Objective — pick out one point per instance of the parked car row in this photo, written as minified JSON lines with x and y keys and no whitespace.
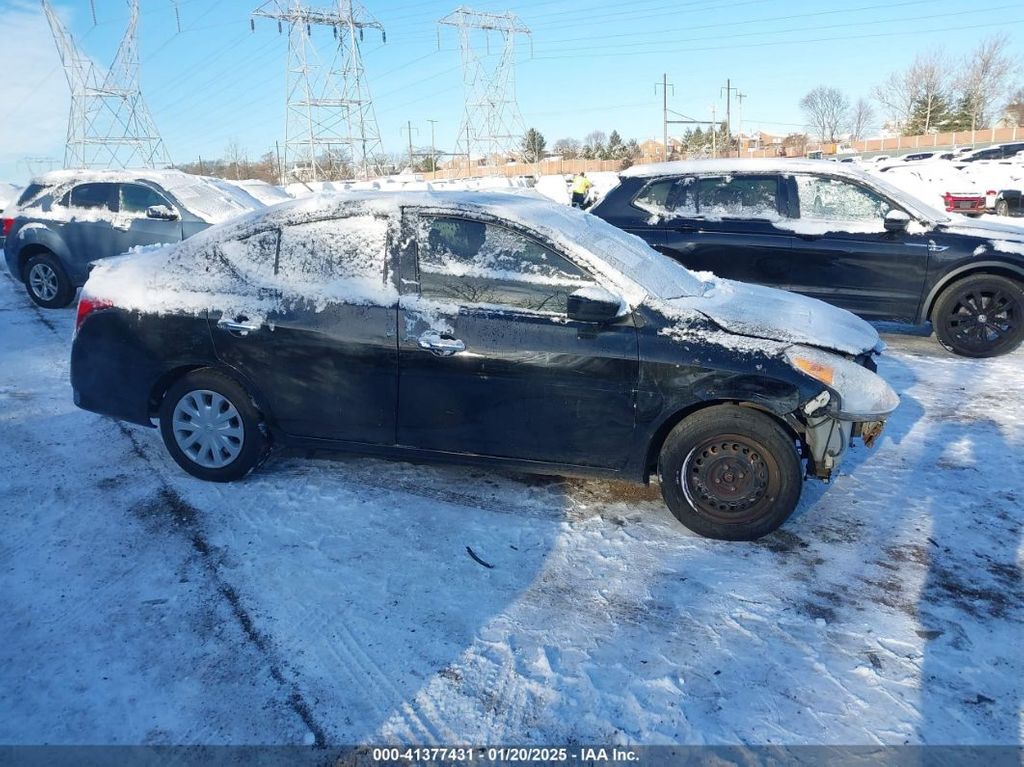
{"x":503,"y":329}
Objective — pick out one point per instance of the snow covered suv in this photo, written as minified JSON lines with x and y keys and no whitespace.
{"x":833,"y":232}
{"x":495,"y":329}
{"x":64,"y":220}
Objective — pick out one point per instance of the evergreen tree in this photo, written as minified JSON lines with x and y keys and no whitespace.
{"x":533,"y":146}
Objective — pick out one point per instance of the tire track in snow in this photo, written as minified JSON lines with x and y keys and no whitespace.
{"x":187,"y":518}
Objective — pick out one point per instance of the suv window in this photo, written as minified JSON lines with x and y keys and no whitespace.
{"x":835,"y":199}
{"x":31,"y":193}
{"x":738,"y":197}
{"x":476,"y":263}
{"x":255,"y":256}
{"x":98,"y":196}
{"x":135,"y":198}
{"x":745,"y":197}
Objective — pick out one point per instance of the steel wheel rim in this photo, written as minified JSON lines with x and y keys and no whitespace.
{"x":43,"y":281}
{"x":730,"y":479}
{"x":981,"y":318}
{"x":207,"y":428}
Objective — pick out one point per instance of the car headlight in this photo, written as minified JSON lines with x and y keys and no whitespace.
{"x":863,"y":395}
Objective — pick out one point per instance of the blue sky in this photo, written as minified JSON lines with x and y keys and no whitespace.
{"x":592,"y":66}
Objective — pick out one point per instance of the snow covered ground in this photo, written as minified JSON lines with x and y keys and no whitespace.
{"x":335,"y":601}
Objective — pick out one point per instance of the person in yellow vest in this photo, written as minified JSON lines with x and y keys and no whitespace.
{"x":580,"y":186}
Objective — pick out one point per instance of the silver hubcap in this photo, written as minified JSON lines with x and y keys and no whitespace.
{"x":208,"y":428}
{"x":43,"y":281}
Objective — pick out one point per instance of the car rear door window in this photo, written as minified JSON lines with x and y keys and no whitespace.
{"x":833,"y":199}
{"x":742,"y":197}
{"x":672,"y":196}
{"x":254,"y":257}
{"x":95,"y":196}
{"x":473,"y":263}
{"x":135,"y":198}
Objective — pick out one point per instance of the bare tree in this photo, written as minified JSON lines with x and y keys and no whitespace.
{"x":984,"y":78}
{"x":827,"y":111}
{"x":862,"y":117}
{"x":917,"y":94}
{"x":569,"y":148}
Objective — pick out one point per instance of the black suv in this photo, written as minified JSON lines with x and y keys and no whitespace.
{"x":836,"y":233}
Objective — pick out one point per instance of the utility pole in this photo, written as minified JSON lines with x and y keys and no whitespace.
{"x":409,"y":129}
{"x":739,"y":130}
{"x":728,"y":110}
{"x":433,"y":147}
{"x":714,"y":134}
{"x":665,"y":85}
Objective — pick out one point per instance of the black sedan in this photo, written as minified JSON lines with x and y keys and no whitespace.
{"x":493,"y":329}
{"x":836,"y":233}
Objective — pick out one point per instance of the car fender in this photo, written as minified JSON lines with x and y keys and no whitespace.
{"x":29,"y":238}
{"x":961,"y":271}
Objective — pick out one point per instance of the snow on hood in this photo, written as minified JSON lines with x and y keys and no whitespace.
{"x":776,"y":315}
{"x":992,"y":230}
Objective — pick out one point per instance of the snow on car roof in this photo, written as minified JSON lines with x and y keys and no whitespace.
{"x":198,"y":194}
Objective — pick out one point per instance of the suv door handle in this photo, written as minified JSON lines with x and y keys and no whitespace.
{"x":242,"y":326}
{"x":433,"y":342}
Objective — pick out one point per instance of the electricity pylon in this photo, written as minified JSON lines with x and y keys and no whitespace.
{"x":492,"y":124}
{"x":329,"y":117}
{"x":109,"y":125}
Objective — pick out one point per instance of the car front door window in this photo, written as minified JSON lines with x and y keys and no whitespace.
{"x":472,"y":263}
{"x":832,"y":199}
{"x":136,"y":199}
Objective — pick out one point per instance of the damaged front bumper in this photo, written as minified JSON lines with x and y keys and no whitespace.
{"x":829,"y":431}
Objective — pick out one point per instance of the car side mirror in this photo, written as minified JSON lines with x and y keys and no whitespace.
{"x":594,"y":304}
{"x":896,"y":221}
{"x":161,"y":212}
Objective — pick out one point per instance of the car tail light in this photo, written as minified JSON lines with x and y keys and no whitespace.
{"x":86,"y":306}
{"x":8,"y":224}
{"x":948,"y":198}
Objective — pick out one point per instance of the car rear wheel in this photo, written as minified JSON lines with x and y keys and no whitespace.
{"x":1002,"y":208}
{"x":211,"y":427}
{"x":730,"y":473}
{"x":47,"y":283}
{"x":980,"y":316}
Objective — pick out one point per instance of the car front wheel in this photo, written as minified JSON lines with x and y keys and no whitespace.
{"x":980,"y":316}
{"x":47,"y":283}
{"x":1002,"y":208}
{"x":730,"y":472}
{"x":211,"y":427}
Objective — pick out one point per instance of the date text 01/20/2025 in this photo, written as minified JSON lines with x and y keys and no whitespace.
{"x":503,"y":754}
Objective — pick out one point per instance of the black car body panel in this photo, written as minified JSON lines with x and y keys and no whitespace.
{"x":878,"y":275}
{"x":528,"y":390}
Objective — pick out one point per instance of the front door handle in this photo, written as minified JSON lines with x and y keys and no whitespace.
{"x":242,"y":326}
{"x":433,"y":342}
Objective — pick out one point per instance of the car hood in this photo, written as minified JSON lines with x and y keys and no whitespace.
{"x":989,"y":230}
{"x":777,"y":315}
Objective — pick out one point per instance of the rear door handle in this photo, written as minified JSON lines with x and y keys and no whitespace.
{"x":241,"y":326}
{"x":442,"y":347}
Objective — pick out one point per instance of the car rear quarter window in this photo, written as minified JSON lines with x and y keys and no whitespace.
{"x":833,"y":199}
{"x":473,"y":263}
{"x":94,"y":196}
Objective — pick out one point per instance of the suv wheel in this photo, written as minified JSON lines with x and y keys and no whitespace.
{"x":1002,"y":208}
{"x":47,"y":283}
{"x":730,"y":472}
{"x":980,"y":316}
{"x":211,"y":427}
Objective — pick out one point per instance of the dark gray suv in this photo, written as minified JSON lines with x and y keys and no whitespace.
{"x":66,"y":219}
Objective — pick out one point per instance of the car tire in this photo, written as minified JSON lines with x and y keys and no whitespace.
{"x":1002,"y":208}
{"x":980,"y":316}
{"x":730,"y":473}
{"x":229,"y":437}
{"x":47,"y":283}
